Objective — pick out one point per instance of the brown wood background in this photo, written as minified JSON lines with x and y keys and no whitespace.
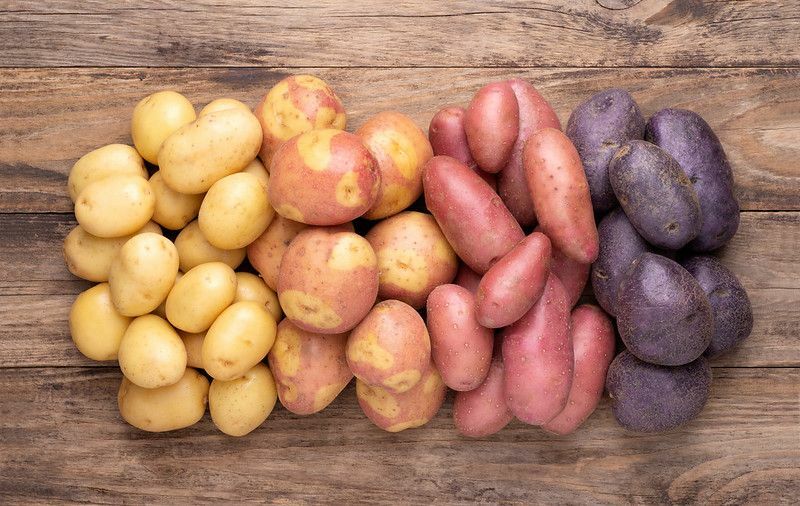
{"x":70,"y":74}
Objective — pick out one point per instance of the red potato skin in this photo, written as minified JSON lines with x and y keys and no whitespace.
{"x":593,"y":344}
{"x":491,"y":123}
{"x":483,"y":411}
{"x":538,"y":358}
{"x":512,"y":285}
{"x":472,"y":217}
{"x":573,"y":275}
{"x":461,"y":348}
{"x":560,"y":193}
{"x":447,"y":137}
{"x":266,"y":251}
{"x":467,"y":278}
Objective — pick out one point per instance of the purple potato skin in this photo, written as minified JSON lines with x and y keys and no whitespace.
{"x":598,"y":127}
{"x":620,"y":245}
{"x":689,"y":139}
{"x":655,"y":398}
{"x":733,"y":314}
{"x":663,"y":314}
{"x":656,"y":194}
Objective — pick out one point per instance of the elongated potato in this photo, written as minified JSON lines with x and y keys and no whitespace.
{"x":482,"y":412}
{"x":194,"y":249}
{"x":447,"y":137}
{"x":199,"y":297}
{"x":221,"y":104}
{"x":240,"y":405}
{"x":155,"y":118}
{"x":151,"y":354}
{"x":573,"y":275}
{"x":115,"y":205}
{"x":110,"y":160}
{"x":251,"y":287}
{"x":467,"y":278}
{"x":235,"y":211}
{"x":173,"y":210}
{"x":266,"y":252}
{"x":194,"y":348}
{"x":95,"y":325}
{"x":491,"y":123}
{"x":142,"y":274}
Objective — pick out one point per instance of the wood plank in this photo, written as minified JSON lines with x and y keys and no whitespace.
{"x":387,"y":33}
{"x":50,"y":117}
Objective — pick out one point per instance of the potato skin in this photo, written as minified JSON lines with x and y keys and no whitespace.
{"x":512,"y":285}
{"x":654,"y":398}
{"x":310,"y":369}
{"x":194,"y":249}
{"x":115,"y":205}
{"x":482,"y":412}
{"x":221,"y":104}
{"x":198,"y":298}
{"x":235,"y":211}
{"x":461,"y":348}
{"x":173,"y":210}
{"x":151,"y":354}
{"x":252,"y":287}
{"x":95,"y":325}
{"x":414,"y":257}
{"x":194,"y":348}
{"x":467,"y":278}
{"x":472,"y":217}
{"x":155,"y":118}
{"x":593,"y":342}
{"x":266,"y":252}
{"x":573,"y":275}
{"x":110,"y":160}
{"x":491,"y":123}
{"x":447,"y":137}
{"x":240,"y":405}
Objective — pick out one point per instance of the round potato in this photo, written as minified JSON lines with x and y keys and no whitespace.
{"x":115,"y":206}
{"x":235,"y":211}
{"x":142,"y":274}
{"x":266,"y":252}
{"x":222,"y":104}
{"x":194,"y":249}
{"x":155,"y":118}
{"x":95,"y":325}
{"x":173,"y":210}
{"x":251,"y":287}
{"x":200,"y":296}
{"x":194,"y":347}
{"x":110,"y":160}
{"x":240,"y":405}
{"x":151,"y":354}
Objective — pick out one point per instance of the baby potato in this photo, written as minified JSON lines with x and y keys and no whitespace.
{"x":235,"y":211}
{"x":238,"y":339}
{"x":200,"y":296}
{"x":96,"y":327}
{"x":110,"y":160}
{"x":310,"y":369}
{"x":161,"y":310}
{"x":251,"y":287}
{"x":194,"y":249}
{"x":222,"y":104}
{"x":266,"y":252}
{"x":166,"y":408}
{"x":240,"y":405}
{"x":173,"y":210}
{"x":151,"y":354}
{"x":155,"y":118}
{"x":142,"y":274}
{"x":257,"y":169}
{"x":194,"y":347}
{"x":115,"y":206}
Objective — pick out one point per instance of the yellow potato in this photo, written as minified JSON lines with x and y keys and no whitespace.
{"x":266,"y":252}
{"x":173,"y":210}
{"x":142,"y":274}
{"x":155,"y":118}
{"x":115,"y":206}
{"x":240,"y":405}
{"x":194,"y":347}
{"x":151,"y":354}
{"x":238,"y":339}
{"x":194,"y":249}
{"x":235,"y":211}
{"x":95,"y":325}
{"x":257,"y":169}
{"x":161,"y":310}
{"x":167,"y":408}
{"x":200,"y":296}
{"x":251,"y":287}
{"x":110,"y":160}
{"x":222,"y":104}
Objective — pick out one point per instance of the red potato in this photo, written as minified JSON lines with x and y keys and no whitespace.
{"x":491,"y":123}
{"x":593,"y":344}
{"x":483,"y":411}
{"x":467,"y":278}
{"x":512,"y":285}
{"x":447,"y":136}
{"x":266,"y":252}
{"x":573,"y":275}
{"x":538,"y":358}
{"x":461,"y":348}
{"x":473,"y":218}
{"x":560,"y":194}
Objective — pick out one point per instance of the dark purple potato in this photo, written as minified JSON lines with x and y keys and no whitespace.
{"x":663,"y":314}
{"x":733,"y":315}
{"x":688,"y":138}
{"x":654,"y":398}
{"x":620,"y":245}
{"x":656,"y":194}
{"x":598,"y":127}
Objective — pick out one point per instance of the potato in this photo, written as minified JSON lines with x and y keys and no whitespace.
{"x":654,"y":398}
{"x":593,"y":343}
{"x":598,"y":127}
{"x":294,"y":106}
{"x":167,"y":408}
{"x":401,"y":149}
{"x":482,"y":412}
{"x":194,"y":347}
{"x":573,"y":275}
{"x":214,"y":146}
{"x":239,"y":338}
{"x":689,"y":140}
{"x":266,"y":252}
{"x":155,"y":118}
{"x":257,"y":169}
{"x":323,"y":177}
{"x":395,"y":412}
{"x":151,"y":354}
{"x":240,"y":405}
{"x":115,"y":206}
{"x":310,"y":369}
{"x":200,"y":296}
{"x":161,"y":310}
{"x":222,"y":104}
{"x":461,"y":348}
{"x":560,"y":194}
{"x":414,"y":257}
{"x":390,"y":347}
{"x":111,"y":160}
{"x":173,"y":210}
{"x":447,"y":137}
{"x":512,"y":285}
{"x":328,"y":280}
{"x":538,"y":358}
{"x":235,"y":211}
{"x":194,"y":249}
{"x":142,"y":274}
{"x":251,"y":287}
{"x":467,"y":278}
{"x":95,"y":325}
{"x":472,"y":217}
{"x":491,"y":123}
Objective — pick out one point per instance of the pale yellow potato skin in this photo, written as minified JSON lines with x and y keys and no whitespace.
{"x":194,"y":249}
{"x":166,"y":408}
{"x":143,"y":273}
{"x":109,"y":160}
{"x":161,"y":310}
{"x":193,"y":342}
{"x":222,"y":104}
{"x":240,"y":405}
{"x":252,"y":287}
{"x":173,"y":210}
{"x":95,"y":325}
{"x":115,"y":205}
{"x":199,"y":297}
{"x":155,"y":118}
{"x":151,"y":354}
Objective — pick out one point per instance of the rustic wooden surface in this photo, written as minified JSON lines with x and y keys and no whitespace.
{"x":70,"y":73}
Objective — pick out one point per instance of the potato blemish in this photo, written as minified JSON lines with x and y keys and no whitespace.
{"x":367,"y":350}
{"x":308,"y":309}
{"x":314,"y":148}
{"x":403,"y":268}
{"x":286,"y":351}
{"x":378,"y":399}
{"x":402,"y":381}
{"x":351,"y":252}
{"x":348,"y":193}
{"x":325,"y":395}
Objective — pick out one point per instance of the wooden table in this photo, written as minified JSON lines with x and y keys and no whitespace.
{"x":71,"y":74}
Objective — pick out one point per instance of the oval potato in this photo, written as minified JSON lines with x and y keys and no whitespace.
{"x":194,"y":348}
{"x":240,"y":405}
{"x":223,"y":104}
{"x":491,"y":123}
{"x":251,"y":287}
{"x":143,"y":273}
{"x":199,"y":297}
{"x":173,"y":210}
{"x":95,"y":325}
{"x":151,"y":354}
{"x":194,"y":249}
{"x":447,"y":137}
{"x":266,"y":252}
{"x":235,"y":211}
{"x":115,"y":206}
{"x":155,"y":118}
{"x":110,"y":160}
